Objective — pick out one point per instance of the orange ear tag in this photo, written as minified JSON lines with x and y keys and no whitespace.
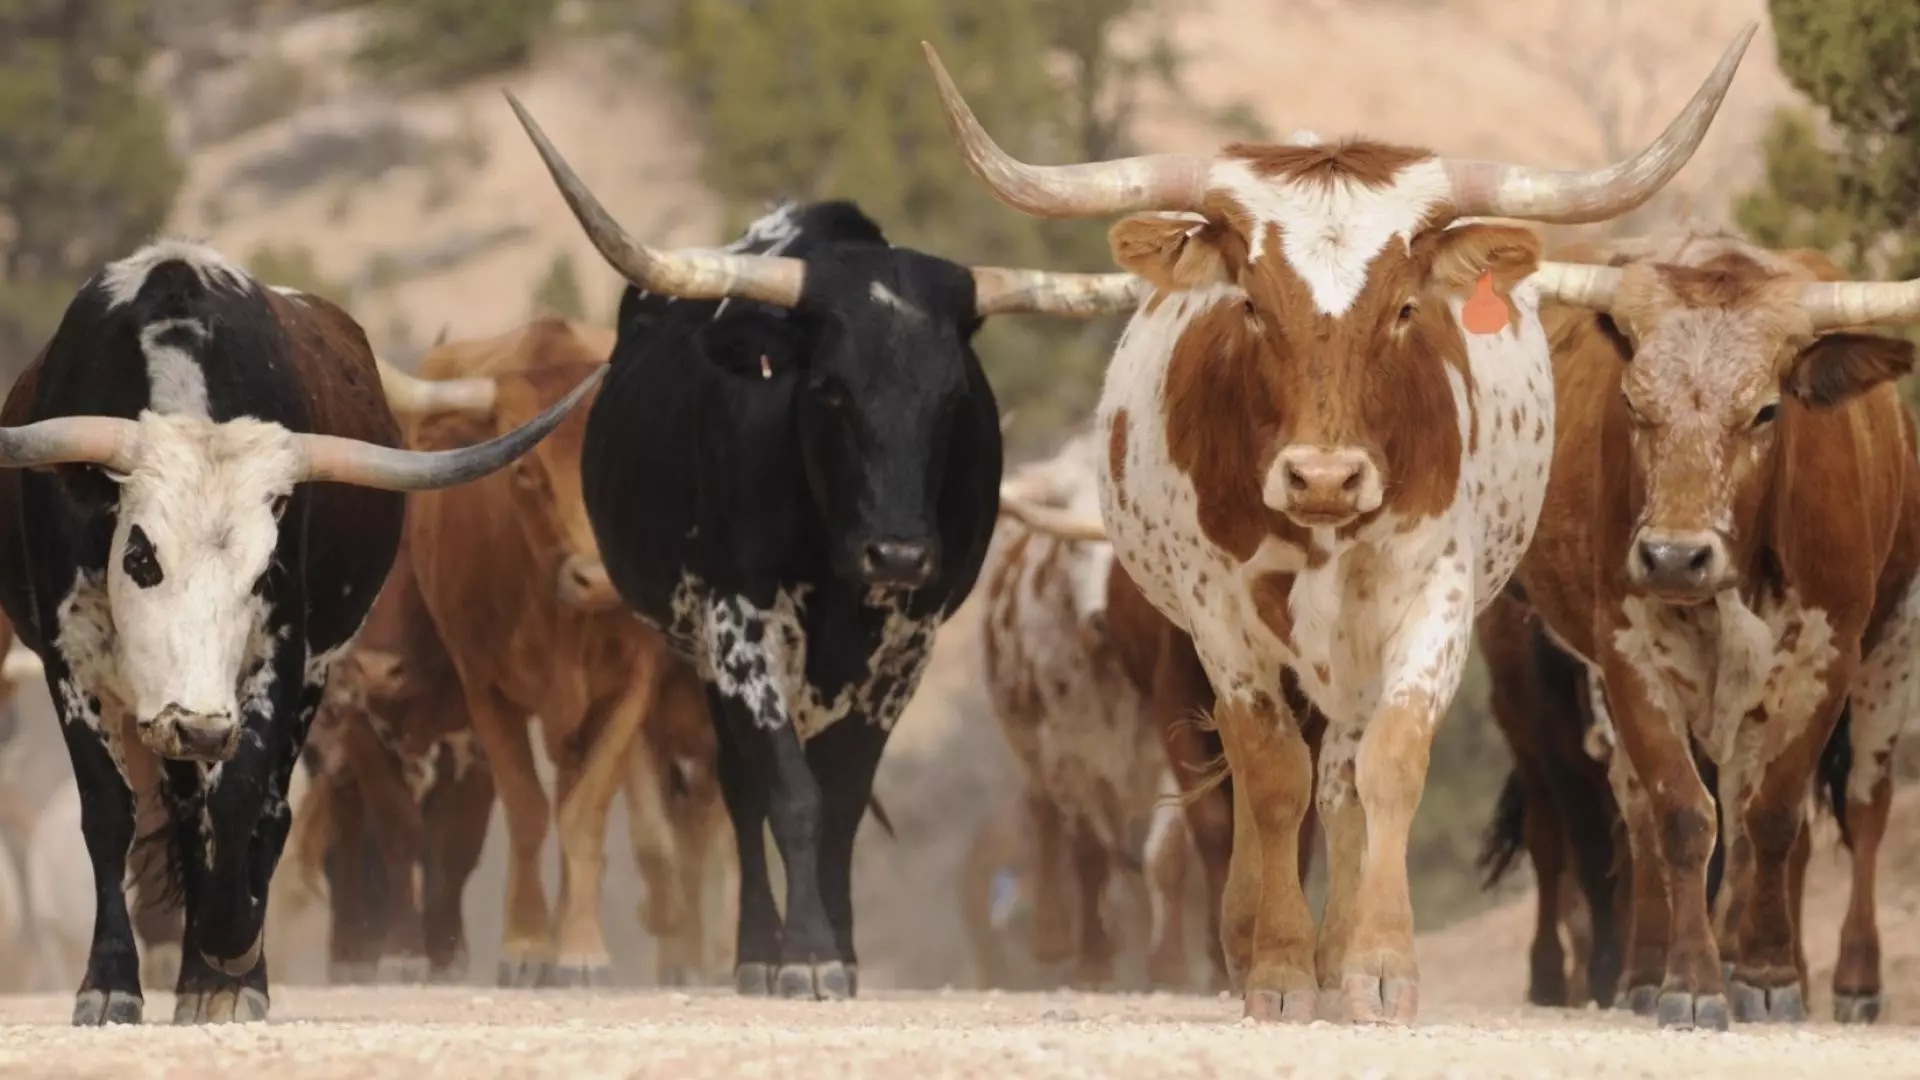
{"x":1485,"y":313}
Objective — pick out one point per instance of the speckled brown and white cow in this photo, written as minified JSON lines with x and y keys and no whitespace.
{"x":1079,"y":728}
{"x":1732,"y":538}
{"x":1329,"y":428}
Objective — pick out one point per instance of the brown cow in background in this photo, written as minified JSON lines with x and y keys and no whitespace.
{"x":511,"y":576}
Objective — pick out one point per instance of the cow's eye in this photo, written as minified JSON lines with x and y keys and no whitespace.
{"x":1407,"y":311}
{"x":278,"y":505}
{"x":1766,"y":414}
{"x":1633,"y":412}
{"x":140,"y":561}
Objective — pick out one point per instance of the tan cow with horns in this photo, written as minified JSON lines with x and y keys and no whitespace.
{"x":1328,"y":435}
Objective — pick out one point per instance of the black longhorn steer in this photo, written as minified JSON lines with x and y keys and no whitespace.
{"x":793,"y":472}
{"x":213,"y":503}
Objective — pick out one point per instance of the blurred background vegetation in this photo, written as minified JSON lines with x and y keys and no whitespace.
{"x":803,"y":100}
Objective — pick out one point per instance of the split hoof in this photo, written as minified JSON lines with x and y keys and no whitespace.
{"x":584,"y":975}
{"x":753,"y":980}
{"x":401,"y":970}
{"x":1862,"y":1007}
{"x":1374,"y":1000}
{"x":821,"y":982}
{"x":98,"y":1008}
{"x":526,"y":973}
{"x":1679,"y":1010}
{"x":230,"y":1004}
{"x":1761,"y":1005}
{"x":1640,"y":1000}
{"x":1275,"y":1007}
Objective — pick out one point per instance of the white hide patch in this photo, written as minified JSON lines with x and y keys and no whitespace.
{"x":1331,"y":232}
{"x":176,"y":383}
{"x":202,"y":493}
{"x":1886,"y":697}
{"x":759,"y":658}
{"x":123,"y":280}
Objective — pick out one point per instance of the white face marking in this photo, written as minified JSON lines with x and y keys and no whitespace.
{"x":123,"y":280}
{"x":1331,"y":232}
{"x":892,"y":301}
{"x":202,"y":499}
{"x":176,"y":384}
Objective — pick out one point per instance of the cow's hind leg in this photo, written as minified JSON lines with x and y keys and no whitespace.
{"x":845,"y":758}
{"x":456,"y":813}
{"x":110,"y":991}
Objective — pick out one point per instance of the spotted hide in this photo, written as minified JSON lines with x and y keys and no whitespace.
{"x":1731,"y":540}
{"x":1079,"y":727}
{"x":1328,"y":433}
{"x":199,"y":499}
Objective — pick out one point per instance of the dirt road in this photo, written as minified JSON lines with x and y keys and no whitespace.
{"x":467,"y":1034}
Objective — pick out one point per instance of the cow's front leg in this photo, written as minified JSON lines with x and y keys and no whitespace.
{"x":1767,"y":980}
{"x":1371,"y":930}
{"x":1672,"y":832}
{"x":845,"y":758}
{"x":110,"y":990}
{"x":1266,"y":926}
{"x":455,"y":814}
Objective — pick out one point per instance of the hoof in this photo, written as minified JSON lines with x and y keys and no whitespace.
{"x":1374,"y":1000}
{"x":1856,"y":1008}
{"x":1640,"y":1000}
{"x":1760,"y":1005}
{"x":401,"y":970}
{"x":753,"y":980}
{"x":1274,"y":1007}
{"x":586,"y":975}
{"x":853,"y":979}
{"x":822,"y":982}
{"x":222,"y":1005}
{"x":1681,"y":1011}
{"x":98,"y":1008}
{"x":160,"y":965}
{"x":526,"y":973}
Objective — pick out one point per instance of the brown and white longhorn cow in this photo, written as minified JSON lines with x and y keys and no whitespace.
{"x":1080,"y":729}
{"x":1731,"y":539}
{"x":1329,"y":429}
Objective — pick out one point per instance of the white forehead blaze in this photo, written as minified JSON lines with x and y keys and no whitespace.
{"x":1331,"y":231}
{"x":892,"y":301}
{"x":123,"y":280}
{"x":201,"y":495}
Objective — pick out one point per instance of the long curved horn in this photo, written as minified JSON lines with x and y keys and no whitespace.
{"x":1832,"y":304}
{"x":1496,"y":189}
{"x":1000,"y":291}
{"x":21,"y":664}
{"x":690,"y":275}
{"x":1097,"y":189}
{"x":1060,"y":524}
{"x":97,"y":440}
{"x":1579,"y":284}
{"x":412,"y":394}
{"x":350,"y":461}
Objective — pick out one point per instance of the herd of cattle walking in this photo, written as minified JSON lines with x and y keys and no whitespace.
{"x":1667,"y":482}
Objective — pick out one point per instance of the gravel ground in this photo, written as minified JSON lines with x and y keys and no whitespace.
{"x":461,"y":1034}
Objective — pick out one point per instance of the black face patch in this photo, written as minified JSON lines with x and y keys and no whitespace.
{"x":141,"y":563}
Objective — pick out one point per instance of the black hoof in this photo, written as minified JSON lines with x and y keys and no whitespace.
{"x":1681,"y":1011}
{"x":753,"y":980}
{"x":822,"y":982}
{"x":1760,"y":1005}
{"x":853,"y":980}
{"x":1856,"y":1008}
{"x":98,"y":1008}
{"x":1640,"y":1000}
{"x":230,"y":1004}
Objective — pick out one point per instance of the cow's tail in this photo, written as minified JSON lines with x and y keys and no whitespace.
{"x":1836,"y":765}
{"x":880,"y":815}
{"x":158,"y":862}
{"x":1506,"y":834}
{"x":307,"y":844}
{"x":1212,"y":774}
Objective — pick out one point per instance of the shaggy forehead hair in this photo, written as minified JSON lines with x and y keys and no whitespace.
{"x":194,"y":479}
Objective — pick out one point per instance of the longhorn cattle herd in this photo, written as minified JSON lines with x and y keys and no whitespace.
{"x":1666,"y":481}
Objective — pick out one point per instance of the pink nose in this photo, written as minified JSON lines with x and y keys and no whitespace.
{"x":584,"y":584}
{"x":1318,"y":485}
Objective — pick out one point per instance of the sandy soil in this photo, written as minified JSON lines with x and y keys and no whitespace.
{"x":368,"y":1034}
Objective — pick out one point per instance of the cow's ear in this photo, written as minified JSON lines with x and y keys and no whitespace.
{"x":1461,"y":255}
{"x":1838,"y":367}
{"x":1170,"y":253}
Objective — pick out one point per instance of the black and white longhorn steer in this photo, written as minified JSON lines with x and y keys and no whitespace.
{"x":793,"y":472}
{"x":210,"y":504}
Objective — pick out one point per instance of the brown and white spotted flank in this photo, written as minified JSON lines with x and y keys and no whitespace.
{"x":1328,"y":435}
{"x":1078,"y":726}
{"x":1731,"y":539}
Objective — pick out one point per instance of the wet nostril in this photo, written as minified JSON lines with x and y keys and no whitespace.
{"x":1352,"y":482}
{"x":1701,"y":557}
{"x":1296,"y":479}
{"x":1649,"y":558}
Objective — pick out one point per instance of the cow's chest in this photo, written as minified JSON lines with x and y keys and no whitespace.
{"x":764,"y":657}
{"x":1738,"y":679}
